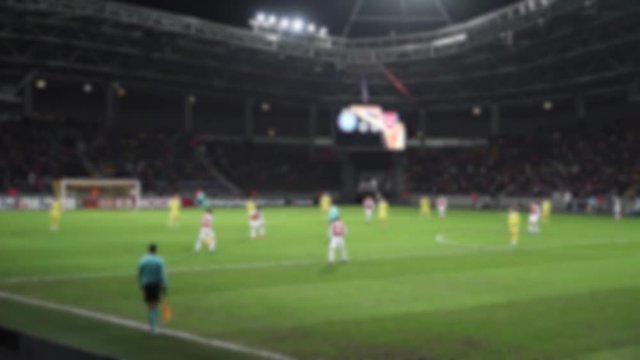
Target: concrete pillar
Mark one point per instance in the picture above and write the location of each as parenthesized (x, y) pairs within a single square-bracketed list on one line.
[(248, 119), (189, 103), (495, 119), (28, 94), (111, 104), (581, 107)]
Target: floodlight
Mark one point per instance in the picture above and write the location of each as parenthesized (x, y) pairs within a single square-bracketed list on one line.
[(41, 84), (323, 31), (271, 20), (284, 23), (261, 18), (297, 25), (311, 28)]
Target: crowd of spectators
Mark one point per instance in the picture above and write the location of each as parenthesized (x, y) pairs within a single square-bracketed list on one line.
[(34, 152), (581, 162)]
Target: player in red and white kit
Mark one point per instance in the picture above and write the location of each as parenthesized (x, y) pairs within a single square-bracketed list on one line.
[(534, 218), (442, 204), (369, 206), (206, 235), (257, 224), (337, 233)]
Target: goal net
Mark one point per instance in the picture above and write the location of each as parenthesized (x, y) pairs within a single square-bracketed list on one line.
[(100, 193)]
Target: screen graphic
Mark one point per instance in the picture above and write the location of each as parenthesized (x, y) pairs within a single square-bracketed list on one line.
[(371, 126)]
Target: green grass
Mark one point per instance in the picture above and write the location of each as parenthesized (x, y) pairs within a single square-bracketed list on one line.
[(571, 292)]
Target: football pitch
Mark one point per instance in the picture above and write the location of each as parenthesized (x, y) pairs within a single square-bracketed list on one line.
[(571, 292)]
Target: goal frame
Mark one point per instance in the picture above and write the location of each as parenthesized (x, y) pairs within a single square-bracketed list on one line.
[(133, 183)]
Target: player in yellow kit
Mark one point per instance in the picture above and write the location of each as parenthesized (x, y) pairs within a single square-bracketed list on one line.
[(514, 225), (425, 206), (251, 206), (325, 202), (175, 205), (546, 210), (383, 210), (55, 213)]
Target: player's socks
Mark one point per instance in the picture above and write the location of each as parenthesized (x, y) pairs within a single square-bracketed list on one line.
[(153, 320)]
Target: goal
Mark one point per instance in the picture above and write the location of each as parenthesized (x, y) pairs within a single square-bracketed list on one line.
[(100, 193)]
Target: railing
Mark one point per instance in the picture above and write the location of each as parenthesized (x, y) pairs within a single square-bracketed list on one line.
[(336, 49)]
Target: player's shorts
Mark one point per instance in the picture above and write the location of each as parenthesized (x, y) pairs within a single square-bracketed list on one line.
[(368, 212), (256, 224), (206, 234), (382, 216), (534, 218), (336, 242), (152, 292)]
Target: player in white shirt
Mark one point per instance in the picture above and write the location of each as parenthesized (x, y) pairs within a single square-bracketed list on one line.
[(369, 205), (257, 224), (442, 204), (534, 218), (206, 235), (337, 233), (617, 207)]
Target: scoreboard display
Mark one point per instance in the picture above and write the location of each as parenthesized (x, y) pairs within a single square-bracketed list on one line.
[(370, 127)]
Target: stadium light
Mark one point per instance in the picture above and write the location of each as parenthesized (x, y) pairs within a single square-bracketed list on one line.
[(265, 106), (284, 23), (87, 88), (547, 105), (271, 24), (41, 84), (476, 111), (450, 40), (297, 25), (311, 28), (192, 99)]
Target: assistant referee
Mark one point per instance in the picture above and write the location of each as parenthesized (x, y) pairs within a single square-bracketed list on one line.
[(152, 277)]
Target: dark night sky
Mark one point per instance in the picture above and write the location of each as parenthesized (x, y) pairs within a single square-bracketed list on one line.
[(332, 13)]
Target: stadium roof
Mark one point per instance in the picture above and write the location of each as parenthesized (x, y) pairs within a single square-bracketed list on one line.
[(527, 49), (380, 17)]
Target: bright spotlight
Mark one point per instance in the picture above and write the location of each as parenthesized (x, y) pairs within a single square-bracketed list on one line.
[(323, 31), (547, 105), (272, 20), (41, 84), (297, 25), (87, 88), (311, 28), (284, 23), (476, 111), (261, 18)]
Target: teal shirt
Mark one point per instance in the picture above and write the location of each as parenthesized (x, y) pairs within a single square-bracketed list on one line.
[(333, 213), (151, 269)]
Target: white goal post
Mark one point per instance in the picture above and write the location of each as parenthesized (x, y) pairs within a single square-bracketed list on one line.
[(101, 193)]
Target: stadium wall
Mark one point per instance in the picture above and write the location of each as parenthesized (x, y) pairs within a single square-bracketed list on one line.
[(15, 345)]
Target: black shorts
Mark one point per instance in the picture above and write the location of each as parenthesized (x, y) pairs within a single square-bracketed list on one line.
[(152, 292)]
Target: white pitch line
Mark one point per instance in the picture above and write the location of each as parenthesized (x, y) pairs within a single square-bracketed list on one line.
[(137, 325), (470, 249)]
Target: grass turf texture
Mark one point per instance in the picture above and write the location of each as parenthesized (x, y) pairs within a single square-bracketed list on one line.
[(571, 292)]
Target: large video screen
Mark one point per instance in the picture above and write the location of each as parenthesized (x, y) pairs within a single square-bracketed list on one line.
[(370, 127)]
